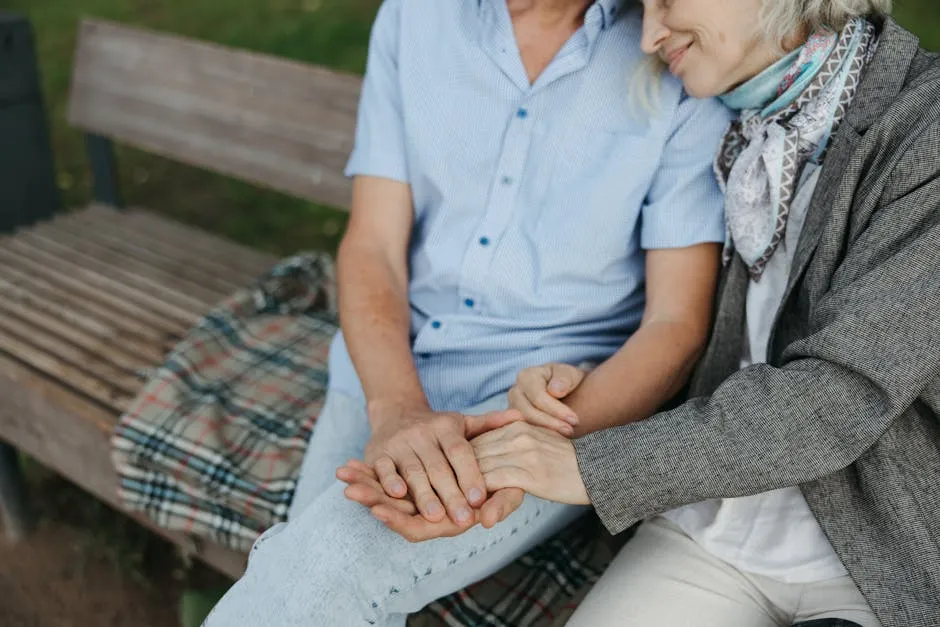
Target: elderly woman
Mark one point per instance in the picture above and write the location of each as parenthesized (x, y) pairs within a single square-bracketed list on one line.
[(801, 480)]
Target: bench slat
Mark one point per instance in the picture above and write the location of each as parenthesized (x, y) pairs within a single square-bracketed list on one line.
[(26, 304), (26, 270), (91, 255), (29, 336), (124, 326), (70, 434), (35, 260), (74, 376), (274, 122), (99, 245), (146, 246), (36, 246), (119, 353), (169, 232)]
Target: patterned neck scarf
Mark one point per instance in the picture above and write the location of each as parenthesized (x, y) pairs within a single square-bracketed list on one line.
[(764, 152)]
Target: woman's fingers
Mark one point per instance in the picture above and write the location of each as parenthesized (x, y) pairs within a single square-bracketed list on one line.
[(500, 505), (564, 380), (520, 400)]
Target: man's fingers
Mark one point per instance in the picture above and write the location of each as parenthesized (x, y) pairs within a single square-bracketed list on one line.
[(442, 479), (500, 506), (459, 453), (389, 478), (417, 479)]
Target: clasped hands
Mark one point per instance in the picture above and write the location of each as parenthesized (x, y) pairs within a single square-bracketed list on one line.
[(431, 474)]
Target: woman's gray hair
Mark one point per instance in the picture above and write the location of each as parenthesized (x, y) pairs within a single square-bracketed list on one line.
[(780, 19)]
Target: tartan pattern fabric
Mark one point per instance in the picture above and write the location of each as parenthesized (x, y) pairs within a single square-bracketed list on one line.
[(213, 445)]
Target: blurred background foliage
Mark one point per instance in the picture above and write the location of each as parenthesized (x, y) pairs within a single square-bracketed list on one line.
[(326, 32)]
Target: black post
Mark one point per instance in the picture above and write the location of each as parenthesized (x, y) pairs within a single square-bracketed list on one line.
[(103, 169), (14, 508), (28, 191)]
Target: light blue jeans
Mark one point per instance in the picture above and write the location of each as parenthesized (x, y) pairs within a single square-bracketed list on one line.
[(333, 564)]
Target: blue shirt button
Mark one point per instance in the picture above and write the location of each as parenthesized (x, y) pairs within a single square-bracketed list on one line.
[(507, 180), (469, 302), (522, 113), (484, 241), (436, 324)]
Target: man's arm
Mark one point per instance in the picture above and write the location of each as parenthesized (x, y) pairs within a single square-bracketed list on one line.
[(372, 271), (874, 348), (410, 445), (653, 364)]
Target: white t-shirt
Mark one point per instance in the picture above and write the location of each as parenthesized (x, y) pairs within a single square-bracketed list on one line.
[(773, 534)]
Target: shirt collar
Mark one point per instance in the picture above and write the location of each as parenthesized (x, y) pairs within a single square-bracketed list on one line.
[(609, 9)]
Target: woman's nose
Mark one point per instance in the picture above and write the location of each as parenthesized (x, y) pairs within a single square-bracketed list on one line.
[(654, 32)]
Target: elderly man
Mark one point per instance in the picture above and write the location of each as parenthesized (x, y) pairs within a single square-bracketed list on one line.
[(513, 205)]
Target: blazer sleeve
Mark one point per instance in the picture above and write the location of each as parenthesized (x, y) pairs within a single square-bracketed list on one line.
[(872, 349)]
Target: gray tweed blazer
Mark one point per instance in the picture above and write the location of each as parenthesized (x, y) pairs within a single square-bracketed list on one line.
[(847, 407)]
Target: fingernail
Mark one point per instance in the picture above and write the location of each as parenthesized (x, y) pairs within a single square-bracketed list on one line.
[(463, 515), (572, 419), (557, 387), (434, 509), (475, 495), (381, 516), (566, 430), (397, 486)]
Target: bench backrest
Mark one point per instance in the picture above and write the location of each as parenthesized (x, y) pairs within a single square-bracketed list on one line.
[(270, 121)]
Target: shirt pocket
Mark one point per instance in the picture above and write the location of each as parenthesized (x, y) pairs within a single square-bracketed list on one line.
[(593, 191)]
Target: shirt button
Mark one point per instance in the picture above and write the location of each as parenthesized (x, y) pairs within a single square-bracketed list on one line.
[(507, 180), (484, 241), (522, 113), (469, 303), (436, 324)]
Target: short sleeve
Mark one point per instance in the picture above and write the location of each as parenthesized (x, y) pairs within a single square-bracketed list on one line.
[(684, 205), (380, 135)]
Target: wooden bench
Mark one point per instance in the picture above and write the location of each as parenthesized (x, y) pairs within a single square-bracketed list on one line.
[(90, 299)]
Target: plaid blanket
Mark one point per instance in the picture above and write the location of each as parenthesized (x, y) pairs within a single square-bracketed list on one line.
[(213, 444)]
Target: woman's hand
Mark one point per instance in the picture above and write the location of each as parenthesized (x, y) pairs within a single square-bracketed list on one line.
[(537, 392), (537, 460)]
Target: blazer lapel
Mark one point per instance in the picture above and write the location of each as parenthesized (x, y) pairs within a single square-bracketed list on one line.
[(883, 81)]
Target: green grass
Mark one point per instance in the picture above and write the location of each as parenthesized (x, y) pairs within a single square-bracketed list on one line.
[(327, 32)]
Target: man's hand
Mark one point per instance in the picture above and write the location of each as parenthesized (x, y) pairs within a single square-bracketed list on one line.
[(428, 455), (537, 460), (400, 515), (537, 395)]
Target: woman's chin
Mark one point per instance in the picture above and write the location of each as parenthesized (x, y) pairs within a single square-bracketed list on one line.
[(697, 89)]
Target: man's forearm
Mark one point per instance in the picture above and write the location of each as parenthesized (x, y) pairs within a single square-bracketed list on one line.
[(375, 318), (642, 376)]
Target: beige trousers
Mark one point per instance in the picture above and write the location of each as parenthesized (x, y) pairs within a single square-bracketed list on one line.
[(663, 578)]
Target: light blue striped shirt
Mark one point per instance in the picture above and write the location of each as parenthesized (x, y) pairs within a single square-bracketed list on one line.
[(533, 203)]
